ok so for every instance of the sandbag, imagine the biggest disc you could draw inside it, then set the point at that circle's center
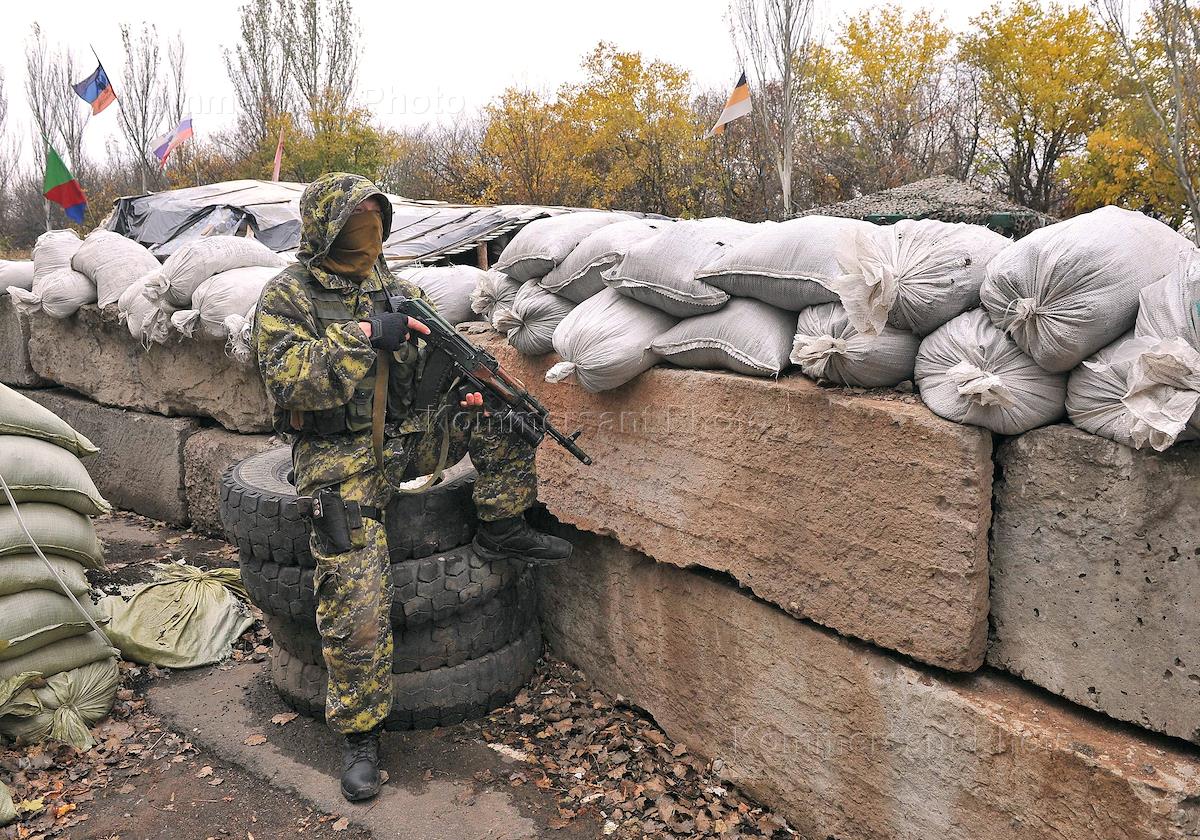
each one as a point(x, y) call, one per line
point(72, 701)
point(228, 293)
point(17, 274)
point(970, 372)
point(239, 331)
point(8, 808)
point(530, 322)
point(828, 347)
point(35, 618)
point(20, 415)
point(605, 341)
point(544, 243)
point(52, 251)
point(1067, 290)
point(38, 471)
point(59, 294)
point(134, 308)
point(578, 277)
point(791, 265)
point(185, 618)
point(112, 263)
point(493, 291)
point(914, 275)
point(197, 261)
point(57, 657)
point(449, 287)
point(661, 271)
point(21, 572)
point(57, 530)
point(745, 336)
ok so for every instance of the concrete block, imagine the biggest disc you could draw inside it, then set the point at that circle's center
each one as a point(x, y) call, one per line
point(206, 455)
point(140, 464)
point(15, 369)
point(1096, 575)
point(866, 514)
point(847, 741)
point(94, 354)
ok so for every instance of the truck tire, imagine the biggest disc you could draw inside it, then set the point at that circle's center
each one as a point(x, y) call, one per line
point(423, 699)
point(259, 514)
point(427, 589)
point(444, 643)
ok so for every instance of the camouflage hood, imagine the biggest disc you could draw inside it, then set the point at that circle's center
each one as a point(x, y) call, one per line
point(325, 206)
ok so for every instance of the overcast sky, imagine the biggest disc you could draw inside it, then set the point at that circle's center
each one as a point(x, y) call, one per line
point(420, 61)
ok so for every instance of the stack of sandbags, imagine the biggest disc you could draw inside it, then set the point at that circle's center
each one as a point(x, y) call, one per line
point(542, 244)
point(42, 629)
point(970, 372)
point(827, 347)
point(530, 321)
point(112, 263)
point(579, 276)
point(661, 271)
point(448, 286)
point(228, 293)
point(1067, 290)
point(57, 289)
point(745, 336)
point(494, 291)
point(16, 274)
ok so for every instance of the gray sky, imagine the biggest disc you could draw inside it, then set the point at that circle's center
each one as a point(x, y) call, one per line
point(420, 61)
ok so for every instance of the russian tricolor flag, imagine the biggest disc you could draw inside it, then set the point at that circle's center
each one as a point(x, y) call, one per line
point(163, 146)
point(96, 90)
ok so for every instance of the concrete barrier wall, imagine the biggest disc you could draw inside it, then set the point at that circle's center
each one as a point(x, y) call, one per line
point(15, 369)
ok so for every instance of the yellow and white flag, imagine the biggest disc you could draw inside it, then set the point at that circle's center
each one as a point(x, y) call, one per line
point(738, 105)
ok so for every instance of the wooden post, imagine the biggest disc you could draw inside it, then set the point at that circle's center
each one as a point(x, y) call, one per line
point(481, 255)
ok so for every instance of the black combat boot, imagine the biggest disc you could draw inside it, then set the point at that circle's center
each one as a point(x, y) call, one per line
point(513, 539)
point(360, 765)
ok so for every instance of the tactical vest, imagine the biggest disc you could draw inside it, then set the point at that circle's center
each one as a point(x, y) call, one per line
point(331, 307)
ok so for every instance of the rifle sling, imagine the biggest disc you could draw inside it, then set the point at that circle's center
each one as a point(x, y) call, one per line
point(379, 404)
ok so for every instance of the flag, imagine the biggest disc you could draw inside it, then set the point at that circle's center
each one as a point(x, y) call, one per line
point(61, 187)
point(96, 90)
point(278, 156)
point(738, 105)
point(164, 145)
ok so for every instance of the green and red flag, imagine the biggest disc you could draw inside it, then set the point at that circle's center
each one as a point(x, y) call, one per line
point(61, 187)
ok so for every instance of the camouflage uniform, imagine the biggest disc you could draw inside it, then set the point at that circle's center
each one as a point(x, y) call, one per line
point(314, 371)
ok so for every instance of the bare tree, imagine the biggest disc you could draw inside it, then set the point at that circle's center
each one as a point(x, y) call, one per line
point(774, 37)
point(258, 68)
point(321, 41)
point(143, 98)
point(1170, 86)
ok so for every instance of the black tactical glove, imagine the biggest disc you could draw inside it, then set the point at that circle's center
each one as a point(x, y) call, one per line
point(389, 331)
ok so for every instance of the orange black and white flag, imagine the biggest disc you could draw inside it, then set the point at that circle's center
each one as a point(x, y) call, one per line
point(738, 105)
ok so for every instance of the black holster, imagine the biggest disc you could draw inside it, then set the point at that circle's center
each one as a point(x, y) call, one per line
point(333, 520)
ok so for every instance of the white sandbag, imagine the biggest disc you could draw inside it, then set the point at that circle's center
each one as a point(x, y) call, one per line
point(53, 251)
point(605, 341)
point(197, 261)
point(745, 336)
point(58, 294)
point(38, 471)
point(57, 657)
point(791, 265)
point(38, 617)
point(228, 293)
point(1067, 290)
point(828, 347)
point(544, 243)
point(448, 286)
point(661, 271)
point(72, 701)
point(530, 322)
point(146, 320)
point(56, 530)
point(970, 372)
point(915, 275)
point(578, 277)
point(494, 290)
point(239, 331)
point(21, 572)
point(20, 415)
point(112, 262)
point(16, 274)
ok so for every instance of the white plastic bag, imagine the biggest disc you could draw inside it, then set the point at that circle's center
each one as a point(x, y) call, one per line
point(605, 341)
point(112, 262)
point(914, 275)
point(578, 277)
point(745, 336)
point(494, 290)
point(970, 372)
point(59, 294)
point(228, 293)
point(197, 261)
point(791, 265)
point(448, 286)
point(661, 271)
point(530, 322)
point(1067, 290)
point(828, 347)
point(544, 243)
point(16, 273)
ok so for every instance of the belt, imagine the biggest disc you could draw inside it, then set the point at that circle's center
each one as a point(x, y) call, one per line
point(371, 512)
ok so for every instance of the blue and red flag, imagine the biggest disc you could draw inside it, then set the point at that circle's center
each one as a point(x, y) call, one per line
point(60, 186)
point(96, 90)
point(167, 143)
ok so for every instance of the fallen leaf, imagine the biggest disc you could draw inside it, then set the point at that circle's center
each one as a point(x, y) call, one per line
point(255, 739)
point(342, 824)
point(205, 772)
point(215, 782)
point(284, 718)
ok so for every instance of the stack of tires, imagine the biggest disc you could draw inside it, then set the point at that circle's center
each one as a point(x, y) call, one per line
point(465, 630)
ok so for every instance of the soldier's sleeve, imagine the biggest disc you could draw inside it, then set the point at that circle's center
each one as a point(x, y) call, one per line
point(305, 369)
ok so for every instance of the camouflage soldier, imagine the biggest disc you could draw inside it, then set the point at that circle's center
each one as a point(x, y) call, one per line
point(322, 332)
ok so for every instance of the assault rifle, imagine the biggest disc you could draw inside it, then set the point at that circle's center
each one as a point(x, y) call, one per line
point(504, 396)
